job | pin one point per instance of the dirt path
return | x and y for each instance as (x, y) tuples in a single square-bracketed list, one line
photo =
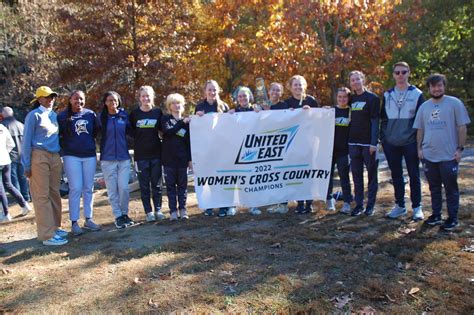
[(324, 262)]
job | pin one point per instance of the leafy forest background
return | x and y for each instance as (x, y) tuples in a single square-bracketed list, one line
[(176, 46)]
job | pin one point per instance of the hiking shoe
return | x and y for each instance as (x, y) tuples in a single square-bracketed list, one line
[(434, 220), (450, 224), (5, 217), (183, 214), (174, 216), (331, 204), (208, 212), (222, 212), (61, 233), (418, 214), (56, 240), (299, 209), (357, 211), (159, 215), (396, 212), (369, 211), (255, 211), (91, 225), (26, 209), (231, 211), (76, 229), (128, 221), (150, 217), (120, 222), (273, 209), (282, 208), (346, 208)]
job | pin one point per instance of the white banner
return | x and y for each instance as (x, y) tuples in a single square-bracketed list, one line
[(254, 159)]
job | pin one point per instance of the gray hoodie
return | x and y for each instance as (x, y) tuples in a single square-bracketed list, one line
[(396, 126)]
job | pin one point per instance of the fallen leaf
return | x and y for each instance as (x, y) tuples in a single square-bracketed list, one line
[(413, 290), (249, 249), (152, 304), (225, 273), (210, 258), (340, 302), (276, 245), (406, 231), (137, 280), (6, 271), (366, 310)]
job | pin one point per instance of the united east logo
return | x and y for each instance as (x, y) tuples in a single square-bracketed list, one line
[(266, 146), (81, 126)]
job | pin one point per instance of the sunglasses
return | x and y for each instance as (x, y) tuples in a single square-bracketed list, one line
[(402, 72)]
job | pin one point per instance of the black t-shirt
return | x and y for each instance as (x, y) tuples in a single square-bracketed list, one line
[(292, 102), (279, 105), (145, 127), (205, 107), (364, 109), (176, 151), (243, 109), (341, 132)]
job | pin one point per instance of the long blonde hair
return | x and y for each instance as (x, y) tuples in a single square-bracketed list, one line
[(221, 106), (303, 82)]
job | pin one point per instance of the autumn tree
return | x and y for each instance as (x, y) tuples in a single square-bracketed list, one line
[(120, 45), (24, 61), (321, 40)]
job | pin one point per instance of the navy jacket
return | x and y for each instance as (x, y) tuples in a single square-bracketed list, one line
[(113, 145)]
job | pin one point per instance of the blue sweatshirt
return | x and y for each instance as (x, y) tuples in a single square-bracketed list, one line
[(78, 132), (41, 132), (113, 145)]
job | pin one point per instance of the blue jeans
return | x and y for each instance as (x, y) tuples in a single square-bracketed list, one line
[(80, 175), (149, 174), (444, 174), (116, 176), (176, 187), (360, 156), (19, 179), (343, 171), (6, 183), (395, 155)]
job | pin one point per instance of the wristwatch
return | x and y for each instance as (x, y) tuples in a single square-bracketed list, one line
[(460, 148)]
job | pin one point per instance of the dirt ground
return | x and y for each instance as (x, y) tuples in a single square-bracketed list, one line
[(275, 263)]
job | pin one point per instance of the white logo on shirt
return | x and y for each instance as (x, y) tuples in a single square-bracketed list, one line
[(81, 126)]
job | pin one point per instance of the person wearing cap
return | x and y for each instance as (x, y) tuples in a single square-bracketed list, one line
[(43, 166)]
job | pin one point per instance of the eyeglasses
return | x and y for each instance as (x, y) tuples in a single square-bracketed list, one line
[(400, 72)]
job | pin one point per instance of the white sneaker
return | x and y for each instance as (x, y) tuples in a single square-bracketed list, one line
[(5, 218), (255, 211), (331, 204), (282, 208), (396, 212), (346, 208), (232, 211), (174, 216), (159, 215), (56, 240), (26, 209), (273, 209), (183, 214), (418, 214), (150, 217)]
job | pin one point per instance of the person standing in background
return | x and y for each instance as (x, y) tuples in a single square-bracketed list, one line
[(18, 177)]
